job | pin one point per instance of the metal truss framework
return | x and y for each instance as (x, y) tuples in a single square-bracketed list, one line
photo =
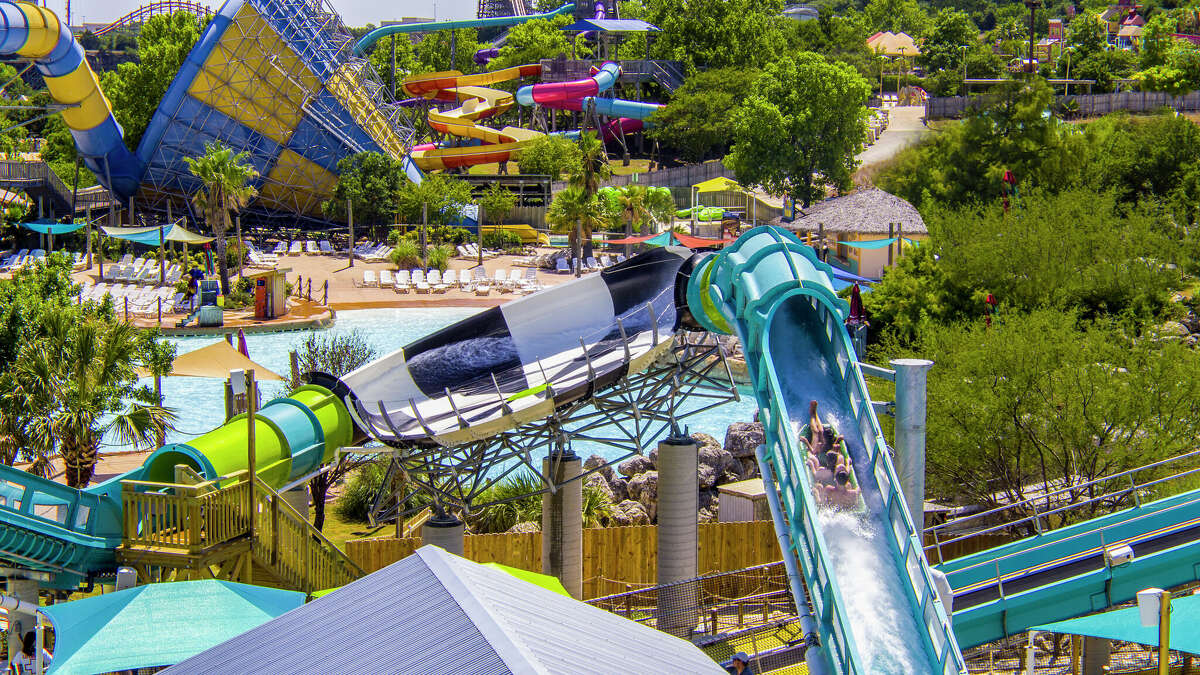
[(487, 9), (638, 406), (289, 188)]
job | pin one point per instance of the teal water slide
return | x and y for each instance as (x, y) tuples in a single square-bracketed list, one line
[(72, 535), (429, 26)]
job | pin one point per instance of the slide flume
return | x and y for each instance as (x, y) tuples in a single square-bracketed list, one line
[(430, 26), (872, 592)]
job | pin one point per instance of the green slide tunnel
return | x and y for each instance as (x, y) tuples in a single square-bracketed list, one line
[(293, 437)]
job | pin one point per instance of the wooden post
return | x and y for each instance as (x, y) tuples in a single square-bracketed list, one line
[(350, 223), (1164, 634), (891, 234), (160, 321), (294, 361), (88, 224), (899, 240), (241, 246), (424, 225), (126, 310)]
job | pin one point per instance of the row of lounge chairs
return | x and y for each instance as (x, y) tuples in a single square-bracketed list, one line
[(297, 247), (143, 271), (563, 266), (474, 281), (372, 252), (472, 251), (26, 257), (142, 301)]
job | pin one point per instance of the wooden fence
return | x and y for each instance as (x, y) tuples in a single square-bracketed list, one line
[(1089, 105), (615, 559)]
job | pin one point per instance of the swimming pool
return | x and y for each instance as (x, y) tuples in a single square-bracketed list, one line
[(200, 404)]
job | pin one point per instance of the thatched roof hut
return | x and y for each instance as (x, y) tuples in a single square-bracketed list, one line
[(869, 211)]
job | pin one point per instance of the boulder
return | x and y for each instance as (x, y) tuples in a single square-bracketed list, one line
[(635, 465), (714, 457), (644, 487), (1191, 322), (706, 476), (728, 477), (709, 499), (619, 488), (597, 481), (743, 438), (736, 467), (596, 461), (705, 516), (526, 527), (1173, 328), (632, 513)]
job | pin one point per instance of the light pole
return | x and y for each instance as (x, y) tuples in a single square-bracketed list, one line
[(1033, 7), (1069, 49), (964, 60), (1154, 609), (902, 73)]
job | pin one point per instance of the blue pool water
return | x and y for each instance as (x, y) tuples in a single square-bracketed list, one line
[(199, 402)]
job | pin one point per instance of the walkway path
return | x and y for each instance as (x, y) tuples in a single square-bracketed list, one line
[(905, 127)]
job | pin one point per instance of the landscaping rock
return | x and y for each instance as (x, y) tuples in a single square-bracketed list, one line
[(635, 465), (709, 499), (632, 513), (1173, 328), (596, 461), (620, 489), (706, 476), (597, 481), (705, 516), (526, 527), (743, 438), (736, 467), (644, 488)]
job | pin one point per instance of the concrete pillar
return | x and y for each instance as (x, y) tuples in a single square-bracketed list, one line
[(445, 531), (562, 522), (297, 498), (27, 590), (910, 434), (1096, 652), (678, 536)]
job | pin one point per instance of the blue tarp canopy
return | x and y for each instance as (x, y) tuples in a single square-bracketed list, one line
[(1124, 625), (876, 243), (150, 236), (159, 624), (613, 26), (47, 226)]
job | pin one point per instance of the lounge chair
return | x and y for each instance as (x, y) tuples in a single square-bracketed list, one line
[(419, 282), (464, 252), (280, 248), (310, 247), (561, 266), (368, 279), (126, 259), (620, 258), (450, 279), (296, 248), (96, 293), (256, 260), (325, 247), (401, 284), (110, 272), (514, 278), (12, 261), (500, 280), (385, 279), (436, 285)]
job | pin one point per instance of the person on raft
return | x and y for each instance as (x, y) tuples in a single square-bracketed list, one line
[(829, 468)]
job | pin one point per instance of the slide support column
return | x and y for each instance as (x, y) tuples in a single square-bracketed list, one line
[(562, 521), (910, 433), (678, 535), (444, 530)]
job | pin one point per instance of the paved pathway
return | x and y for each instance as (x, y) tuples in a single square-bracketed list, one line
[(904, 129)]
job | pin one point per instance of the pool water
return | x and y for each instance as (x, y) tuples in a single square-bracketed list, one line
[(200, 402)]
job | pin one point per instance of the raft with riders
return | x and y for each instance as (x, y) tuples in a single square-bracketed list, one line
[(830, 469)]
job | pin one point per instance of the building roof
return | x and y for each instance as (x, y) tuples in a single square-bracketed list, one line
[(751, 489), (437, 612), (1130, 31), (866, 211), (893, 44)]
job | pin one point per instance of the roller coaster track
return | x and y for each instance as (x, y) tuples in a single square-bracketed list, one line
[(139, 15)]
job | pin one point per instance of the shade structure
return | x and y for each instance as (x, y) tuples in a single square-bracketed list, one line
[(612, 26), (47, 226), (156, 234), (216, 360), (671, 238), (1125, 625), (718, 184), (158, 624)]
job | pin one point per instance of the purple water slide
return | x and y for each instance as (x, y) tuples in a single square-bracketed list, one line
[(484, 55)]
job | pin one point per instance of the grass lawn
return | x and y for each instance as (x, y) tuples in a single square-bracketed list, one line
[(339, 531)]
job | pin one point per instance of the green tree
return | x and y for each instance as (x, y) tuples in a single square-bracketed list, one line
[(695, 122), (406, 62), (135, 89), (445, 196), (372, 183), (718, 33), (78, 371), (639, 207), (578, 213), (433, 51), (897, 16), (224, 178), (533, 41), (550, 156), (1157, 40), (800, 129), (497, 201), (942, 50)]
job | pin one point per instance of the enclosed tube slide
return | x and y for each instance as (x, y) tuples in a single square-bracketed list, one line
[(866, 574), (430, 26), (580, 94), (34, 32), (72, 534)]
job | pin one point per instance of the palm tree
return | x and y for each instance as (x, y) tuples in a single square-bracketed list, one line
[(79, 372), (224, 177), (577, 213)]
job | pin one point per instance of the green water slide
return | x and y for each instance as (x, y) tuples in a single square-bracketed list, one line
[(72, 535)]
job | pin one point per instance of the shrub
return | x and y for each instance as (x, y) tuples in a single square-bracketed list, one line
[(439, 256), (504, 240), (447, 234), (361, 488), (406, 255)]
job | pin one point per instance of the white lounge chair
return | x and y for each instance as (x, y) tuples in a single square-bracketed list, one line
[(500, 280), (280, 248), (385, 279), (310, 247), (561, 266), (325, 247), (419, 282), (401, 282), (369, 279), (296, 248)]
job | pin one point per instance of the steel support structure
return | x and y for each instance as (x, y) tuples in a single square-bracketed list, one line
[(626, 416)]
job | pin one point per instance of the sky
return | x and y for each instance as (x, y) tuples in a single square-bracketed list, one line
[(354, 12)]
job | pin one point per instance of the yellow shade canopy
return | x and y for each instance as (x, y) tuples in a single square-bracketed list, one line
[(216, 360)]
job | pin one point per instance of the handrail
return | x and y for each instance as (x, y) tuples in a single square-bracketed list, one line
[(1001, 577), (1133, 488), (302, 522)]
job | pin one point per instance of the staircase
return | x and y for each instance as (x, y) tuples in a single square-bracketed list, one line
[(187, 530)]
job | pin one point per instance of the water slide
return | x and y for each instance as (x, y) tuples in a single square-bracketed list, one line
[(478, 101), (1070, 572), (35, 33), (875, 608), (430, 26), (73, 534), (579, 95)]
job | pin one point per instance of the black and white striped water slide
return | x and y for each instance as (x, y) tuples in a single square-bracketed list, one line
[(517, 363)]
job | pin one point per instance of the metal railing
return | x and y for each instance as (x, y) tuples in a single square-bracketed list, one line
[(32, 174), (1043, 520)]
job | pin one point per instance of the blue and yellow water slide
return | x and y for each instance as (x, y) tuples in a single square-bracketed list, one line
[(276, 79)]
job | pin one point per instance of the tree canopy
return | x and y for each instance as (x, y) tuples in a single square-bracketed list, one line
[(695, 122), (799, 130), (371, 182), (550, 155)]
